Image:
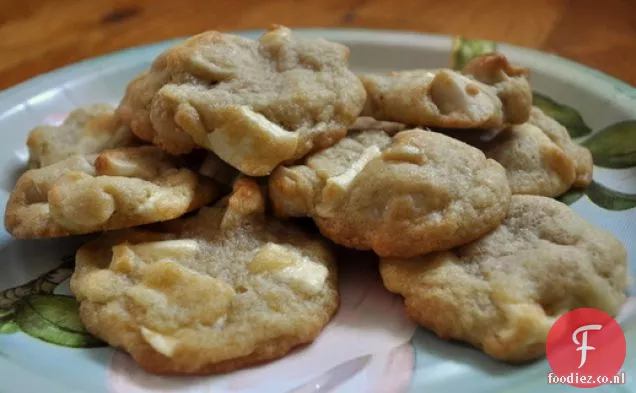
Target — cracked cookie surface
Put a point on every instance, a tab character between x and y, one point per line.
415	192
253	103
115	189
221	290
503	292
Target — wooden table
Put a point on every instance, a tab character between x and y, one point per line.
40	35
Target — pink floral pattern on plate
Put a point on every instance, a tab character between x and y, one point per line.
368	339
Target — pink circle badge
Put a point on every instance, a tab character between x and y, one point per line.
585	348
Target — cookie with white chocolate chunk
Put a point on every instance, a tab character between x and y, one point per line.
488	93
254	103
503	292
218	291
580	155
403	195
119	188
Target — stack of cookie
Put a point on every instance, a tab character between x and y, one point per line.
198	180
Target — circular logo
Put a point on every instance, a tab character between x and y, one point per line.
585	348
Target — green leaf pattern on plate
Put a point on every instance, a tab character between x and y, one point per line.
55	319
35	310
612	147
464	49
8	327
571	196
610	199
6	313
570	118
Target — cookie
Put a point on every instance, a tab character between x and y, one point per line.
534	163
218	291
580	155
503	292
253	103
118	188
539	156
87	130
413	193
488	93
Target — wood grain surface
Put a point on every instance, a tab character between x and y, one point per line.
37	36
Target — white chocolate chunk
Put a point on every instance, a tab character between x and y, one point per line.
288	265
163	344
306	276
217	70
145	297
342	182
338	186
273	36
167	249
404	153
272	257
243	135
119	165
454	93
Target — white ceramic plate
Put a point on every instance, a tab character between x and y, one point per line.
366	355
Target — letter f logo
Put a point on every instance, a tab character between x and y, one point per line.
583	346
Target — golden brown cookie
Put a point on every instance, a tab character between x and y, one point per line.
503	292
489	93
222	290
253	103
413	193
534	163
582	157
87	130
539	156
118	188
